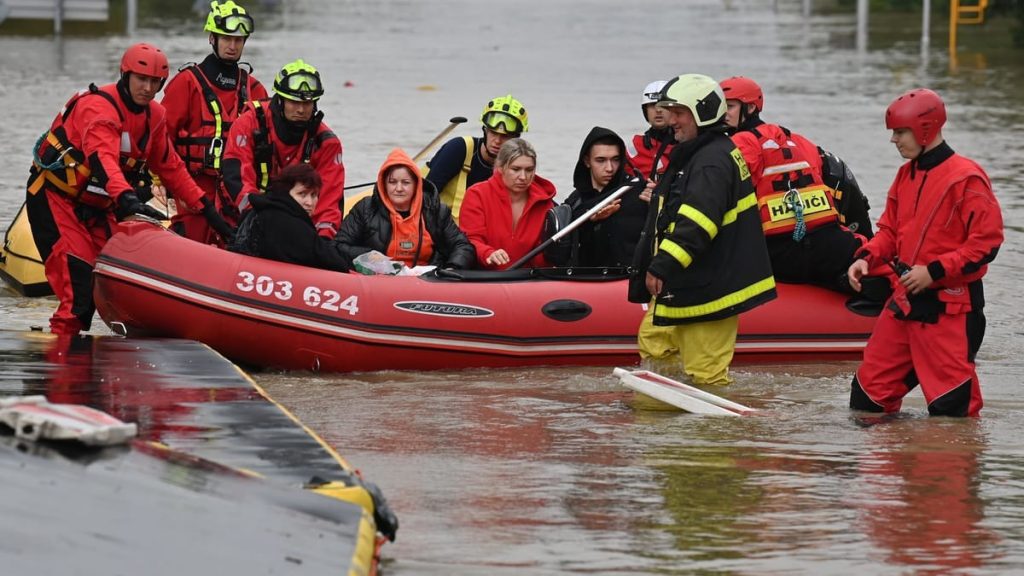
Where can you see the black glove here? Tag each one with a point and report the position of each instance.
(227, 233)
(128, 204)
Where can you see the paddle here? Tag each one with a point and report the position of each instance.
(430, 145)
(644, 252)
(576, 223)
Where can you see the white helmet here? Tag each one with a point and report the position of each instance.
(653, 92)
(700, 93)
(651, 95)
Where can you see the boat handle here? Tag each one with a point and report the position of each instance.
(566, 310)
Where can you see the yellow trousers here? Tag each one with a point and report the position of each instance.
(704, 348)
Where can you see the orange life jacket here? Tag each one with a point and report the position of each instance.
(789, 188)
(59, 165)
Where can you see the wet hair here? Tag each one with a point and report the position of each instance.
(512, 149)
(296, 174)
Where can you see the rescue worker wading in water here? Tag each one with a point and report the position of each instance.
(283, 131)
(711, 264)
(202, 102)
(86, 169)
(465, 161)
(799, 212)
(941, 227)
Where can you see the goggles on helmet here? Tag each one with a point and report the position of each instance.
(232, 23)
(503, 123)
(302, 85)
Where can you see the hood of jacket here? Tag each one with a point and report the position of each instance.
(398, 157)
(581, 175)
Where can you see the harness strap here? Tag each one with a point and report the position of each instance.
(216, 149)
(313, 139)
(243, 89)
(263, 148)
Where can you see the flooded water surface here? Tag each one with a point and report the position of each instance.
(558, 470)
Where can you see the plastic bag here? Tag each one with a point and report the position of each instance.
(373, 262)
(416, 271)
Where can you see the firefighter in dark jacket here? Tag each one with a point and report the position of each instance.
(712, 263)
(405, 220)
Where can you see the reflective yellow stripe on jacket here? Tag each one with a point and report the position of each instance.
(719, 304)
(678, 252)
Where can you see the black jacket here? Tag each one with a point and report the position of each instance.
(612, 241)
(277, 228)
(368, 227)
(711, 252)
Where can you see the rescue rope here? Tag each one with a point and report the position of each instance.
(792, 199)
(57, 164)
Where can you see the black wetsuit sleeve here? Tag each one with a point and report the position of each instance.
(447, 163)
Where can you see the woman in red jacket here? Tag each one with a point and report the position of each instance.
(504, 215)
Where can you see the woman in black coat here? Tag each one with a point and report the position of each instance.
(279, 227)
(404, 221)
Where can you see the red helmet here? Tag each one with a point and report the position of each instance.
(144, 59)
(743, 89)
(920, 110)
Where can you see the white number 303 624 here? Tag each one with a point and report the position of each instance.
(312, 296)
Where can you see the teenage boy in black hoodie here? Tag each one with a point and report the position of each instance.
(609, 238)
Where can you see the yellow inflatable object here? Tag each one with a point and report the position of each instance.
(20, 264)
(354, 199)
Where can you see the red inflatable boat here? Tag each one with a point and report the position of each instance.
(151, 282)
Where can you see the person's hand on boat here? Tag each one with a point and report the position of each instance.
(498, 258)
(654, 284)
(128, 204)
(856, 271)
(214, 219)
(917, 279)
(607, 210)
(648, 191)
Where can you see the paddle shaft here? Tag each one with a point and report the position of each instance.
(644, 251)
(452, 124)
(574, 224)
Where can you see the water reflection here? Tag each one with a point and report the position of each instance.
(917, 494)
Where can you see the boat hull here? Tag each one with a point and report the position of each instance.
(150, 282)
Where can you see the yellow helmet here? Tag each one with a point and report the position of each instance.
(299, 81)
(700, 93)
(229, 19)
(505, 115)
